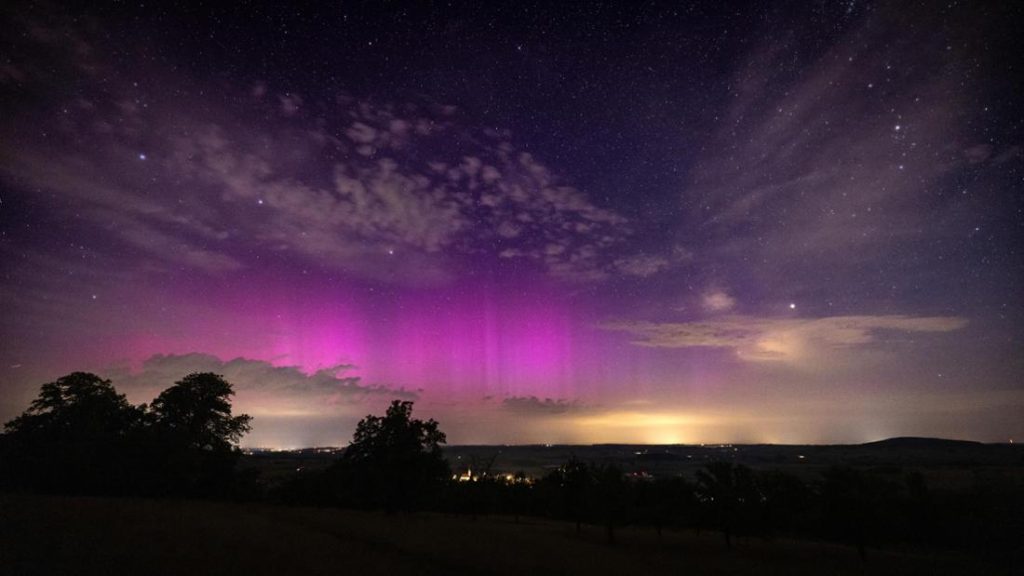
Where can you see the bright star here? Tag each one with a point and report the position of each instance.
(792, 306)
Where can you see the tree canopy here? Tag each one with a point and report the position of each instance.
(395, 436)
(82, 436)
(74, 437)
(393, 460)
(80, 406)
(196, 413)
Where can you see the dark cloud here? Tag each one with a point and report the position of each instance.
(260, 378)
(531, 405)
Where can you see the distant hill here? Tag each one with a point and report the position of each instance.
(922, 443)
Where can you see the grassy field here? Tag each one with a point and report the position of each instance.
(62, 535)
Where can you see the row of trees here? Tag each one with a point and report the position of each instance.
(726, 497)
(81, 436)
(845, 505)
(395, 463)
(859, 507)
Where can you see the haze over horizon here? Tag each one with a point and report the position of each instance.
(595, 223)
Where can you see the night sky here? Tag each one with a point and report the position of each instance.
(650, 222)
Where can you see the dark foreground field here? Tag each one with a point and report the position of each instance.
(64, 535)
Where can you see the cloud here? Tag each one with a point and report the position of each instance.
(782, 339)
(183, 253)
(400, 192)
(642, 265)
(717, 301)
(256, 382)
(531, 405)
(290, 103)
(828, 160)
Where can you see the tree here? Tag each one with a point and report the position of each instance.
(730, 493)
(196, 435)
(569, 485)
(393, 460)
(611, 497)
(196, 413)
(785, 498)
(852, 505)
(663, 501)
(74, 437)
(79, 404)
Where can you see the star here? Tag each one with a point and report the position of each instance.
(556, 220)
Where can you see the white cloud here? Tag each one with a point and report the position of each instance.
(258, 384)
(822, 176)
(781, 339)
(717, 301)
(335, 184)
(642, 265)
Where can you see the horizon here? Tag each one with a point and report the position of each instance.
(567, 224)
(1009, 442)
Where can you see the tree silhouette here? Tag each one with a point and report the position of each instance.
(195, 413)
(80, 403)
(574, 480)
(519, 492)
(852, 501)
(663, 501)
(729, 491)
(195, 433)
(611, 496)
(393, 460)
(785, 497)
(74, 436)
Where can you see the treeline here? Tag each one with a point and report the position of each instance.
(395, 463)
(860, 508)
(80, 436)
(857, 507)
